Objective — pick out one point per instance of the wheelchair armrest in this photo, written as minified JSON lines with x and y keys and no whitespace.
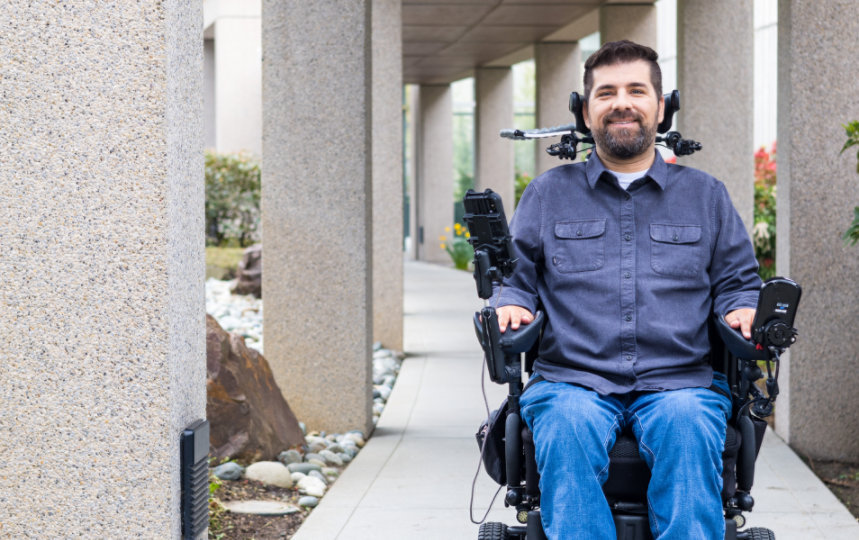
{"x":515,"y":341}
{"x":737,"y":344}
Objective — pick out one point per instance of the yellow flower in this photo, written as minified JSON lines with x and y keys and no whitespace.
{"x":457,"y":226}
{"x":447,"y":229}
{"x":442,"y":238}
{"x":443,"y":246}
{"x":467,"y":234}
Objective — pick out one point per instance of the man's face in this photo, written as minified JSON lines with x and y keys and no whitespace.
{"x":623,"y":109}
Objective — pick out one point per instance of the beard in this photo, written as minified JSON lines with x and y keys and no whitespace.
{"x":624,"y":143}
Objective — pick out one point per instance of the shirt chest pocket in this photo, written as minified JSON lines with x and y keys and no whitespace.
{"x":676,"y":250}
{"x":579,"y":246}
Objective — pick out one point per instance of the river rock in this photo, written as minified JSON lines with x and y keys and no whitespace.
{"x":228,"y":471}
{"x":311,"y":486}
{"x":331,"y":458}
{"x":249,"y":272}
{"x":304,"y":468}
{"x":249,"y":417}
{"x":308,"y":501}
{"x":273,"y":473}
{"x":261,"y":508}
{"x":290,"y":456}
{"x":319,"y":476}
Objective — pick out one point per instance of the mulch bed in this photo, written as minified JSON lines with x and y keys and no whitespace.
{"x":842,"y":479}
{"x":224,"y":525}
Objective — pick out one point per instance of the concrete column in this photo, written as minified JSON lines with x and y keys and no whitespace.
{"x":818,"y":411}
{"x":413,"y":117}
{"x":635,"y":22}
{"x":238,"y":75}
{"x":559,"y":72}
{"x":434,"y":187}
{"x":493,"y":163}
{"x":717,"y":97}
{"x":101,"y":252}
{"x":387,"y":151}
{"x":317,"y":208}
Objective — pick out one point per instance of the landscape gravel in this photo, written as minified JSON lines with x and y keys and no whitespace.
{"x":313,"y":467}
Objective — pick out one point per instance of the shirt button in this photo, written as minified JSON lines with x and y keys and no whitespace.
{"x":627,"y":275}
{"x":628,"y":357}
{"x":628,"y":317}
{"x":627,"y":237}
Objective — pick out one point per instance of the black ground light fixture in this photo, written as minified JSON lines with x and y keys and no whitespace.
{"x":195,"y":479}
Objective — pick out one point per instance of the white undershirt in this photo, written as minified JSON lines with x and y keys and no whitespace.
{"x":626,"y":178}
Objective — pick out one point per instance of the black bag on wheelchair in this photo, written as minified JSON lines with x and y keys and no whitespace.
{"x":490,"y":440}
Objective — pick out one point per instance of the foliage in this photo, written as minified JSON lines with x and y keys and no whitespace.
{"x":851,"y":236}
{"x":764,"y":232}
{"x":460,"y":251}
{"x":232,"y":199}
{"x":216,"y":509}
{"x":522,"y":181}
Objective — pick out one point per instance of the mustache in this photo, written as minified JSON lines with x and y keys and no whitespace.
{"x":619,"y":116}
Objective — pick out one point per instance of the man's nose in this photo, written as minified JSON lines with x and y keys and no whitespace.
{"x":621,"y":101}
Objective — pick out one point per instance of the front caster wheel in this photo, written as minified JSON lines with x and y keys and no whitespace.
{"x":492,"y":531}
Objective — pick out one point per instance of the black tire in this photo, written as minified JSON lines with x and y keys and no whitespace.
{"x":759,"y":533}
{"x":492,"y":531}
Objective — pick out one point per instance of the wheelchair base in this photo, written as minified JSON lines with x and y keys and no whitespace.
{"x":629,"y":527}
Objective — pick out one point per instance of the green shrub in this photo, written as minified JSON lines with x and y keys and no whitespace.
{"x":460,"y":251}
{"x":232,"y":199}
{"x":763,"y":234}
{"x":851,"y":235}
{"x":522,"y":181}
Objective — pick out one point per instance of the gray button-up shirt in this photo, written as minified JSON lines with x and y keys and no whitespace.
{"x":628,"y":278}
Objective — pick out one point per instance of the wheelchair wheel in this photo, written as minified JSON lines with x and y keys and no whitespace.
{"x":759,"y":533}
{"x":492,"y":531}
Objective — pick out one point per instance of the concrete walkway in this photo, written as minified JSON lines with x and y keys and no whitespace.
{"x":413,"y":478}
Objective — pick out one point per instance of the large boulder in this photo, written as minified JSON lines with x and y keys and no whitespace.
{"x":249,"y":273}
{"x":249,"y":416}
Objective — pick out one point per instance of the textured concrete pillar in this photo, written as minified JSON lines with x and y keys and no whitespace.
{"x":387,"y":173}
{"x":413,"y":105}
{"x":493,"y":163}
{"x":818,"y":411}
{"x":102,"y":363}
{"x":635,"y":22}
{"x":558,"y":72}
{"x":434,"y":187}
{"x":717,"y":97}
{"x":317,"y":208}
{"x":238,"y":75}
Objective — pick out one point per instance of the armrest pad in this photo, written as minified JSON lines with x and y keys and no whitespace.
{"x":521,"y":340}
{"x":515,"y":341}
{"x":736,"y":343}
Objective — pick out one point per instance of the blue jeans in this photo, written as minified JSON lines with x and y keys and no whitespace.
{"x":680,"y":434}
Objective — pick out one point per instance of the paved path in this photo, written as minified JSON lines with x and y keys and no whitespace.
{"x":413,"y":478}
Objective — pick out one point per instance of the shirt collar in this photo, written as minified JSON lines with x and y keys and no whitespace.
{"x":658,"y":172}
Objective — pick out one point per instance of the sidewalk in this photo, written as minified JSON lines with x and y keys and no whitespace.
{"x":413,"y":478}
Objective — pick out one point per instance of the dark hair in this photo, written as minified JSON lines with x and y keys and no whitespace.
{"x":616,"y":52}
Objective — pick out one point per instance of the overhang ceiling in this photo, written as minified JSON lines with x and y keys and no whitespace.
{"x":444,"y":40}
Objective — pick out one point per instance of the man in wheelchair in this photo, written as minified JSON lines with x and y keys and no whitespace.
{"x":628,"y":256}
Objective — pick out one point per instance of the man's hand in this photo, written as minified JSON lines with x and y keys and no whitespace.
{"x":514,"y":316}
{"x":742,"y":319}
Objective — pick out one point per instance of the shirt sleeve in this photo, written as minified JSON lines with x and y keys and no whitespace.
{"x":733,"y":271}
{"x":520,"y":288}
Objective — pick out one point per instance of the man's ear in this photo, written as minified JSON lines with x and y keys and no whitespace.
{"x":661,"y":114}
{"x":585,"y":114}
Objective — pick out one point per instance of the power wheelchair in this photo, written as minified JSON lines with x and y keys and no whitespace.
{"x":507,"y":448}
